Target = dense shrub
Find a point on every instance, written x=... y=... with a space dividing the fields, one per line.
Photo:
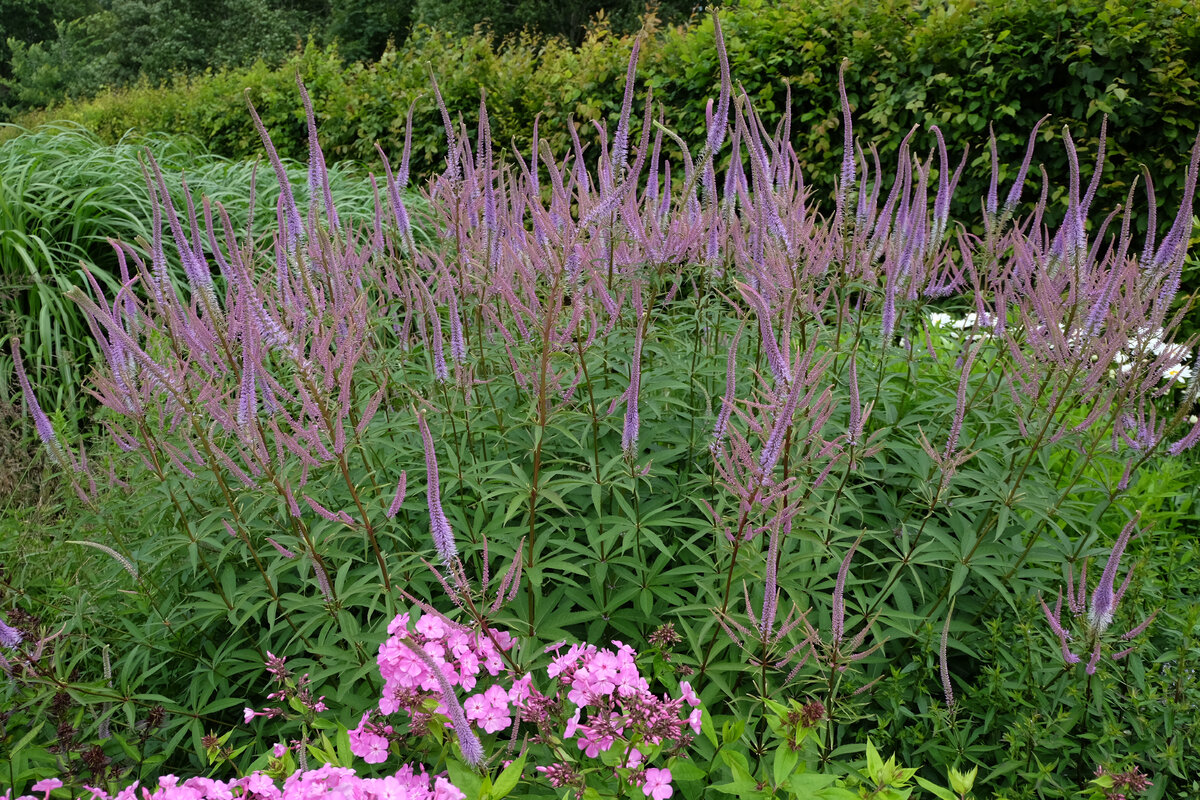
x=63 y=50
x=959 y=65
x=101 y=45
x=566 y=18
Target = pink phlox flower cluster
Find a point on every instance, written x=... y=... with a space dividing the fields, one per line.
x=45 y=786
x=300 y=690
x=533 y=706
x=689 y=696
x=593 y=674
x=608 y=701
x=618 y=702
x=462 y=655
x=327 y=781
x=489 y=710
x=559 y=775
x=248 y=714
x=370 y=741
x=277 y=667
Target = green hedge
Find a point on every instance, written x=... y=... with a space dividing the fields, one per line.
x=959 y=65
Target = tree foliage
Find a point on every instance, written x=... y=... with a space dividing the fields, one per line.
x=55 y=50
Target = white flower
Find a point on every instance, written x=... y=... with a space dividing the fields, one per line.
x=1179 y=373
x=939 y=320
x=968 y=321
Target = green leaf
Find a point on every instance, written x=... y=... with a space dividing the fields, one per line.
x=741 y=788
x=940 y=791
x=465 y=778
x=785 y=763
x=732 y=730
x=874 y=763
x=707 y=728
x=683 y=769
x=508 y=779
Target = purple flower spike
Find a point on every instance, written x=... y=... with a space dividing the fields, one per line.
x=1174 y=247
x=944 y=666
x=1192 y=437
x=458 y=347
x=888 y=320
x=453 y=170
x=992 y=204
x=720 y=429
x=775 y=357
x=766 y=624
x=443 y=535
x=855 y=428
x=720 y=119
x=1055 y=621
x=468 y=743
x=839 y=595
x=41 y=422
x=941 y=203
x=847 y=175
x=1104 y=599
x=1014 y=194
x=440 y=371
x=1098 y=612
x=10 y=637
x=394 y=185
x=629 y=435
x=247 y=408
x=318 y=176
x=398 y=497
x=291 y=213
x=773 y=446
x=621 y=137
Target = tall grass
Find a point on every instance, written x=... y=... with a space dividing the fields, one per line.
x=64 y=194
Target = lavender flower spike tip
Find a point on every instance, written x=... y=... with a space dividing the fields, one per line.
x=443 y=535
x=1104 y=598
x=839 y=595
x=10 y=637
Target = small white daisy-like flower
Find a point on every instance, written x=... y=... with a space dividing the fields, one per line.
x=1179 y=373
x=968 y=321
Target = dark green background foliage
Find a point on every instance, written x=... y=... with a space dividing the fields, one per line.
x=116 y=42
x=51 y=50
x=957 y=65
x=566 y=18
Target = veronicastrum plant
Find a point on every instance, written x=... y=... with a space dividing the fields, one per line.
x=64 y=195
x=803 y=452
